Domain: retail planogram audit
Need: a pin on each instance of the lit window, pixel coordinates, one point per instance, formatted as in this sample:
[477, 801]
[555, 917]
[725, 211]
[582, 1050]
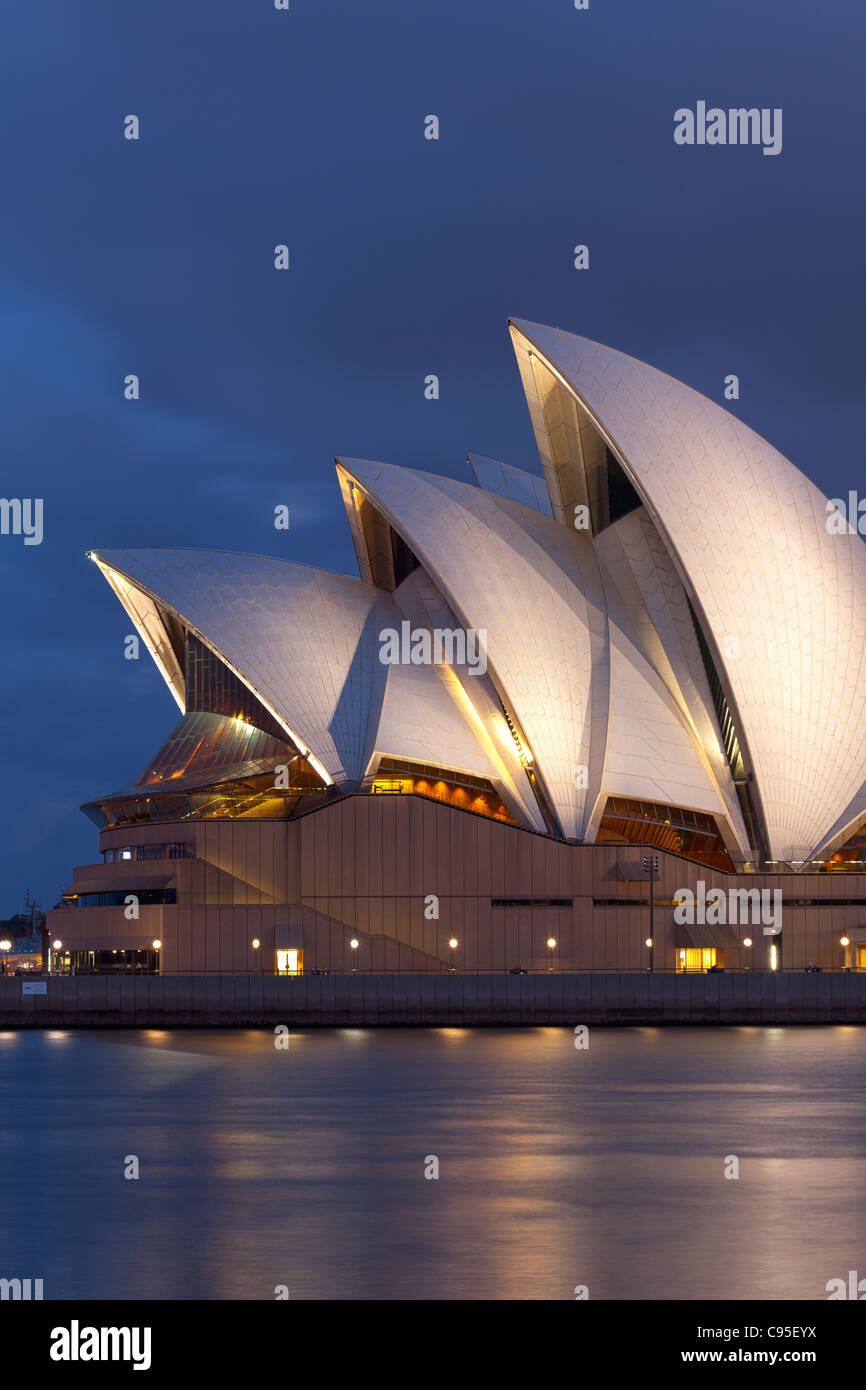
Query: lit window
[289, 962]
[695, 959]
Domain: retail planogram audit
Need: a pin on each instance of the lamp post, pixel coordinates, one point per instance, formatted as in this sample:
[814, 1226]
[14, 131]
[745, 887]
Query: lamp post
[353, 946]
[157, 946]
[651, 867]
[56, 946]
[551, 946]
[255, 943]
[748, 945]
[650, 945]
[844, 942]
[5, 947]
[453, 944]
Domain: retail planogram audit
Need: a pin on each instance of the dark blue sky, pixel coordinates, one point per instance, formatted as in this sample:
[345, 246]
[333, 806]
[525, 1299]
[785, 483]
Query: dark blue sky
[306, 127]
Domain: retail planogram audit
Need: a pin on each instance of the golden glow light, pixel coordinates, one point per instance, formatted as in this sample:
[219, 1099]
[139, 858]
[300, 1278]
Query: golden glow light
[453, 943]
[774, 958]
[156, 944]
[844, 941]
[56, 945]
[551, 941]
[354, 943]
[649, 941]
[747, 941]
[256, 943]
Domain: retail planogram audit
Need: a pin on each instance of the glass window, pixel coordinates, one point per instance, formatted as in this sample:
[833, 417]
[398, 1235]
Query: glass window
[289, 962]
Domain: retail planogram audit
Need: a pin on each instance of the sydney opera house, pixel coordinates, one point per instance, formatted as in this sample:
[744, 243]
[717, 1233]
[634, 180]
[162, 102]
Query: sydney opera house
[546, 701]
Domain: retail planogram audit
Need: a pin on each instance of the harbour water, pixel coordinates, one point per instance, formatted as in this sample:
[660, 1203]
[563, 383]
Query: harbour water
[303, 1168]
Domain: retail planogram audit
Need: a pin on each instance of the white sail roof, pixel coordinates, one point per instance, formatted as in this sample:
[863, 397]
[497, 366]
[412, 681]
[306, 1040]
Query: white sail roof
[781, 599]
[707, 607]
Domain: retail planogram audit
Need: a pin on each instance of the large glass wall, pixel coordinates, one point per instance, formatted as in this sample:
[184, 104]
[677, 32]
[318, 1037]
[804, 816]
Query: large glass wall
[147, 897]
[173, 849]
[456, 788]
[106, 963]
[690, 833]
[212, 688]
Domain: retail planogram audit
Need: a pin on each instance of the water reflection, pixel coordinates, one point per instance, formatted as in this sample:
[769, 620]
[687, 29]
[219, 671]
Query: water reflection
[557, 1166]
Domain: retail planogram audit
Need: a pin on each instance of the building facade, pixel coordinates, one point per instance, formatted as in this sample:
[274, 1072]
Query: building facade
[554, 718]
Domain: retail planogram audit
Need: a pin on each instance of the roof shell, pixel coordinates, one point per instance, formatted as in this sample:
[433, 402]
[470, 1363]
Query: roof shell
[782, 600]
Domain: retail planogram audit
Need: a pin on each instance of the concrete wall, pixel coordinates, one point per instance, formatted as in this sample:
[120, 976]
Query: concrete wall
[366, 866]
[430, 1000]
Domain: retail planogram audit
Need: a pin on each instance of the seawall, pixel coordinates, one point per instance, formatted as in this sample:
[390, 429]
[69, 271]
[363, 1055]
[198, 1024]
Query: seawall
[360, 1001]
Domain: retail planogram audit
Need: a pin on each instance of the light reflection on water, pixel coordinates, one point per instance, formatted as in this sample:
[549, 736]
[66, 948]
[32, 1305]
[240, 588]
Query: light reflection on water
[558, 1167]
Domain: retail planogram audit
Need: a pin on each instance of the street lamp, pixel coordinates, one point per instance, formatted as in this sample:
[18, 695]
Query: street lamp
[5, 945]
[453, 943]
[845, 943]
[649, 945]
[354, 943]
[747, 942]
[650, 864]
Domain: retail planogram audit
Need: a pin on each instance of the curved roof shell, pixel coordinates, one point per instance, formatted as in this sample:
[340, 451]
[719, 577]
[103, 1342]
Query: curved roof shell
[781, 600]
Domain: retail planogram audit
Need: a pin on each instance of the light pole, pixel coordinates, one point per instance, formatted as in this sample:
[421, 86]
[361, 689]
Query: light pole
[651, 866]
[453, 944]
[353, 945]
[255, 943]
[748, 945]
[5, 947]
[844, 942]
[551, 946]
[55, 946]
